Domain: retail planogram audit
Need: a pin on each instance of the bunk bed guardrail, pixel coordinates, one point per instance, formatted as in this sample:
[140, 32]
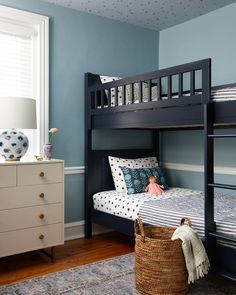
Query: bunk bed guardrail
[174, 87]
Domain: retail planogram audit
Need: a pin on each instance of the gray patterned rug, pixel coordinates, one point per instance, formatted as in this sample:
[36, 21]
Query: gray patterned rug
[108, 277]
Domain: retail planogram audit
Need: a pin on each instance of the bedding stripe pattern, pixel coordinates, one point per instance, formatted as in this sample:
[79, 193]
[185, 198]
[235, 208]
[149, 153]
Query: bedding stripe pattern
[163, 213]
[224, 94]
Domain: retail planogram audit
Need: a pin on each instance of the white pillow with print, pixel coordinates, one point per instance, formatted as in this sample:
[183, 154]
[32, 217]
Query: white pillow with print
[106, 79]
[117, 174]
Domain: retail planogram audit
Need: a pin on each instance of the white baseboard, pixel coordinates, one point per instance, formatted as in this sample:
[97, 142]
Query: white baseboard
[75, 230]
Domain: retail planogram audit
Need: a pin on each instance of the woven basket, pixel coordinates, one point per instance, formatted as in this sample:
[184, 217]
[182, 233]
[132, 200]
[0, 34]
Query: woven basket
[159, 262]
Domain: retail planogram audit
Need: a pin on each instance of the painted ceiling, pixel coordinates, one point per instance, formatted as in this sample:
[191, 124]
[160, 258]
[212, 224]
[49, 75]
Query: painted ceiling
[151, 14]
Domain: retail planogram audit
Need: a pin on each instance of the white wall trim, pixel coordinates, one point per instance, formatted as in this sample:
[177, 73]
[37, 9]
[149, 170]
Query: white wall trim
[167, 165]
[75, 230]
[198, 168]
[44, 80]
[21, 15]
[74, 170]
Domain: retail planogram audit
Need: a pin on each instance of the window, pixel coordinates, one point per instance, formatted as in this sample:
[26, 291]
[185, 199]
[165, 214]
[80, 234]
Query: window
[24, 65]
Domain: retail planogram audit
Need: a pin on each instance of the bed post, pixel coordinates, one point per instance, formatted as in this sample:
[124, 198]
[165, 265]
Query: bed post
[88, 149]
[208, 117]
[156, 144]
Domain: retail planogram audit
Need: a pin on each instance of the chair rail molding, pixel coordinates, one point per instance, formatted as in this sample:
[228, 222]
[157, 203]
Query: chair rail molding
[198, 168]
[74, 170]
[171, 166]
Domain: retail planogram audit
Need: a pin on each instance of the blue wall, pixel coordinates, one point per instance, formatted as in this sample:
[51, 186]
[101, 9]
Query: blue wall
[80, 43]
[211, 35]
[187, 147]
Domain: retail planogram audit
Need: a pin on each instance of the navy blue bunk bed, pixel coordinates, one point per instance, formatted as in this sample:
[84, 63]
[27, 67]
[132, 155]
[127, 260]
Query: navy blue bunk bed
[182, 100]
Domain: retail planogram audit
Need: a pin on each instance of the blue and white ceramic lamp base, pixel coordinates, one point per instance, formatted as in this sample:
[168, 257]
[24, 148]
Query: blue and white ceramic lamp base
[13, 145]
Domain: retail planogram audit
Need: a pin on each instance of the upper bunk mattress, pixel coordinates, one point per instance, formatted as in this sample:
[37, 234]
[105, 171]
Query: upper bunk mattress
[167, 210]
[224, 94]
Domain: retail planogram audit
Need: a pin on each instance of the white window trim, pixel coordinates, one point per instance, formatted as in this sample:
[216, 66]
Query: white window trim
[42, 22]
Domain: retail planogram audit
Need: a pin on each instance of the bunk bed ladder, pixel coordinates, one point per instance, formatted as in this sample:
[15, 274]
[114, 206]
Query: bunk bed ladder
[210, 226]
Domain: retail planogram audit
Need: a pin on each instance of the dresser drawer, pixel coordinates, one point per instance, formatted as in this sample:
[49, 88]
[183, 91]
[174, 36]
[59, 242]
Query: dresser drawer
[39, 174]
[27, 196]
[7, 176]
[31, 239]
[14, 219]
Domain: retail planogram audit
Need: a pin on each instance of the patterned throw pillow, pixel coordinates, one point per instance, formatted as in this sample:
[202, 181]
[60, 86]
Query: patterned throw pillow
[106, 79]
[118, 177]
[136, 180]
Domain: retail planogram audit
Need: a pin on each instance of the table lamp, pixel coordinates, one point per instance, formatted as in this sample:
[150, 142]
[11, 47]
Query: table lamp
[16, 113]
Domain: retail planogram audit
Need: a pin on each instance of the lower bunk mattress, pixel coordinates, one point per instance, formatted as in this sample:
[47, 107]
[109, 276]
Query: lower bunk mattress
[168, 209]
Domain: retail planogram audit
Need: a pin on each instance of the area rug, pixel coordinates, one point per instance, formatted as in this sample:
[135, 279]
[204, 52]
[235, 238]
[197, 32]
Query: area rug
[113, 276]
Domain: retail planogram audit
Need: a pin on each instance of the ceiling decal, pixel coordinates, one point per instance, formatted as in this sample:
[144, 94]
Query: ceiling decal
[151, 14]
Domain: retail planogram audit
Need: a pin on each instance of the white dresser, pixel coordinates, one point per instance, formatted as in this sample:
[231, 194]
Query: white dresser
[31, 205]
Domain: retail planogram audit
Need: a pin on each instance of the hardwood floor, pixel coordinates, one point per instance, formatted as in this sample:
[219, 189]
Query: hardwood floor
[71, 254]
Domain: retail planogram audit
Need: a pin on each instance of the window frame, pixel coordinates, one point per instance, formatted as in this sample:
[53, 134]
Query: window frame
[41, 24]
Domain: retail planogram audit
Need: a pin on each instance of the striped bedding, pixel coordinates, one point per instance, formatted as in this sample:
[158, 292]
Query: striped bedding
[224, 94]
[169, 209]
[169, 212]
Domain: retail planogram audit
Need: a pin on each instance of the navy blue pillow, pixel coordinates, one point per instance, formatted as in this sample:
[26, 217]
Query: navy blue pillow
[136, 180]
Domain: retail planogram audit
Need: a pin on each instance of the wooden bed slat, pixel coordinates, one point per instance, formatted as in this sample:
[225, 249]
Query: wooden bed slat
[116, 96]
[109, 97]
[180, 84]
[169, 91]
[95, 100]
[149, 97]
[102, 98]
[123, 94]
[132, 93]
[159, 90]
[192, 83]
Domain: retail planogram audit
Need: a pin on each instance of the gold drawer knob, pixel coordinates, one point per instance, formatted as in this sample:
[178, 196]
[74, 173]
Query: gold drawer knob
[41, 195]
[41, 237]
[41, 216]
[41, 174]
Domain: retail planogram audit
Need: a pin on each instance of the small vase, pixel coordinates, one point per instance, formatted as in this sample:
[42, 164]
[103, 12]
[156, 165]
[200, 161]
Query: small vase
[47, 151]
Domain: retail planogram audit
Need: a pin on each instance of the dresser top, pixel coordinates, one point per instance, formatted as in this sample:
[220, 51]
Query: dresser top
[29, 161]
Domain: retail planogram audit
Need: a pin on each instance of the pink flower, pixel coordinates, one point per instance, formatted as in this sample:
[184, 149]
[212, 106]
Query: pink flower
[52, 132]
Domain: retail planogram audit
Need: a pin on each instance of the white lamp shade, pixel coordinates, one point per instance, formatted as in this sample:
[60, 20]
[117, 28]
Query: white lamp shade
[17, 112]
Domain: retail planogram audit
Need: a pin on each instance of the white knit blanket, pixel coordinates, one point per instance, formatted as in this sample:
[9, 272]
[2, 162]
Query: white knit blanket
[197, 262]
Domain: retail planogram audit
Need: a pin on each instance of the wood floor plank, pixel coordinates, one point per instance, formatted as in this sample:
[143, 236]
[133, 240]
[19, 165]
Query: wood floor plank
[71, 254]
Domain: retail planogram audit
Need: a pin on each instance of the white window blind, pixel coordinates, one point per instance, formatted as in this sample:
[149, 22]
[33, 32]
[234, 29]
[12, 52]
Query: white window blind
[16, 67]
[24, 65]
